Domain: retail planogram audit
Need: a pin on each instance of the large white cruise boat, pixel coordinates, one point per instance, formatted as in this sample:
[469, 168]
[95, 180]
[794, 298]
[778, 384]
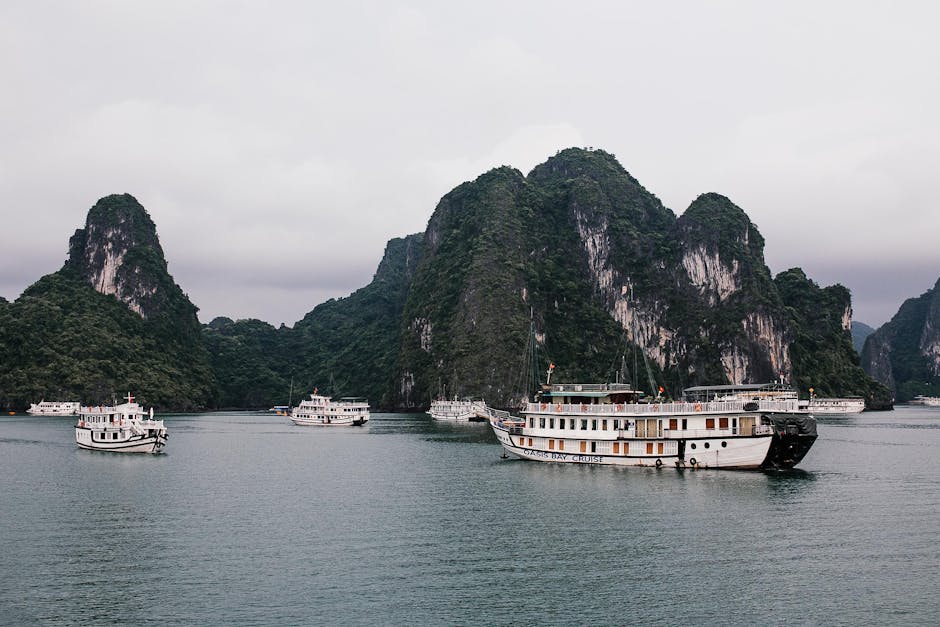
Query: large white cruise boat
[458, 410]
[53, 408]
[124, 428]
[929, 401]
[322, 411]
[605, 424]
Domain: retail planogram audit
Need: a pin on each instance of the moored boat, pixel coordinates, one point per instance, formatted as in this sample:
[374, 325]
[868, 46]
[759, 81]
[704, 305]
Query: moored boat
[458, 410]
[53, 408]
[606, 424]
[817, 405]
[322, 411]
[929, 401]
[123, 428]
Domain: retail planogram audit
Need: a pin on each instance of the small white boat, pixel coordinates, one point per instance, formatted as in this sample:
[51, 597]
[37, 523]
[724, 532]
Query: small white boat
[829, 406]
[53, 408]
[124, 428]
[322, 411]
[929, 401]
[458, 410]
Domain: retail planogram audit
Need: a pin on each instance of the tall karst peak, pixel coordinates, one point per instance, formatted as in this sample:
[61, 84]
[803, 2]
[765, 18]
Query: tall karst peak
[722, 250]
[118, 253]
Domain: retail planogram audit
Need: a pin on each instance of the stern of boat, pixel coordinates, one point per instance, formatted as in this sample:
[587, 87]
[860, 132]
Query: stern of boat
[794, 435]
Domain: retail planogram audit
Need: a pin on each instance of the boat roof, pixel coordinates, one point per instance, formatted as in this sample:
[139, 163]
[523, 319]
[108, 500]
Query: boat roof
[740, 387]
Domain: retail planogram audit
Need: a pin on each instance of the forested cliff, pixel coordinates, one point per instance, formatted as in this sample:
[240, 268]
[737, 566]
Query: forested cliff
[904, 354]
[111, 321]
[603, 268]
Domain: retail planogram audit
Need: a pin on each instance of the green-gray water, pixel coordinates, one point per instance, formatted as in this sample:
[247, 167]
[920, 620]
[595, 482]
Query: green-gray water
[248, 519]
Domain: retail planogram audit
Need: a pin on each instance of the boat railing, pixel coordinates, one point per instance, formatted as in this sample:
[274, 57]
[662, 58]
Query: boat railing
[653, 409]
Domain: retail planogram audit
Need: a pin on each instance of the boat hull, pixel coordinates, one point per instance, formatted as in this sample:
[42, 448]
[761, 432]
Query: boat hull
[133, 444]
[314, 422]
[740, 453]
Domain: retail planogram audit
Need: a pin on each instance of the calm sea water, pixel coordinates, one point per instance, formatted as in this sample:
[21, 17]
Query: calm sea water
[248, 519]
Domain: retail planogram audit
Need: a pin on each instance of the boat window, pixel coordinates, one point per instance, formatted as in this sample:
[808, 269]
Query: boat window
[561, 445]
[706, 445]
[584, 425]
[531, 422]
[603, 425]
[616, 424]
[561, 423]
[593, 447]
[571, 424]
[583, 446]
[594, 425]
[616, 448]
[649, 448]
[541, 423]
[724, 445]
[685, 424]
[693, 445]
[551, 423]
[723, 422]
[709, 423]
[673, 424]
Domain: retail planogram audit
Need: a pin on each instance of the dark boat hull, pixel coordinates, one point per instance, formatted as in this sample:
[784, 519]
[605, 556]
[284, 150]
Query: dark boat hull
[794, 435]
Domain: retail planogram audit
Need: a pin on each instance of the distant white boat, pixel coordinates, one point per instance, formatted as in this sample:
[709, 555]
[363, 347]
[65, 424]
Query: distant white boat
[930, 401]
[124, 428]
[458, 410]
[53, 408]
[817, 405]
[322, 411]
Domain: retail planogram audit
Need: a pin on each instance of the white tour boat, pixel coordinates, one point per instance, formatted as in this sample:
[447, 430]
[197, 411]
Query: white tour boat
[124, 428]
[606, 424]
[929, 401]
[53, 408]
[763, 392]
[322, 411]
[458, 410]
[830, 406]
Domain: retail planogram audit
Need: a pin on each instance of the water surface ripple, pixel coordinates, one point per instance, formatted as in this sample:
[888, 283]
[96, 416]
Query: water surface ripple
[248, 519]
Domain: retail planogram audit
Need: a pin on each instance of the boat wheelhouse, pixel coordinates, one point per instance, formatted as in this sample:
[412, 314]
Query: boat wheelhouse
[322, 411]
[53, 408]
[124, 428]
[458, 410]
[607, 424]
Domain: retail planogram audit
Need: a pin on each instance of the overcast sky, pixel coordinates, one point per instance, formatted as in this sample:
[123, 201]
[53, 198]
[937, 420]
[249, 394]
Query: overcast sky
[279, 145]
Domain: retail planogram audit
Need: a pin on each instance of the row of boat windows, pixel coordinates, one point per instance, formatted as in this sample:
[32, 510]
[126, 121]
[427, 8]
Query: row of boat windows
[612, 448]
[101, 437]
[650, 425]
